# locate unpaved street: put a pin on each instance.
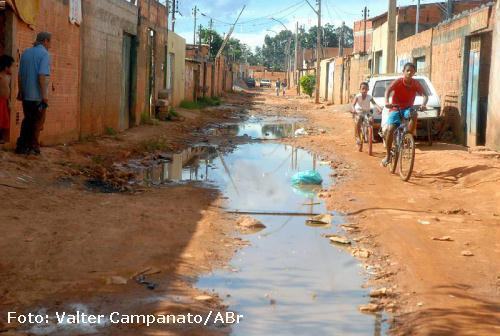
(77, 231)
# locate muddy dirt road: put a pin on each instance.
(453, 194)
(91, 226)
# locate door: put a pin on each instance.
(151, 71)
(327, 81)
(472, 98)
(124, 120)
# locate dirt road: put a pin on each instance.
(65, 243)
(453, 193)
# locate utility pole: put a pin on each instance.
(391, 37)
(341, 51)
(449, 9)
(418, 17)
(175, 6)
(195, 11)
(318, 47)
(365, 15)
(296, 68)
(210, 23)
(199, 36)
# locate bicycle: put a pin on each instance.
(366, 131)
(403, 148)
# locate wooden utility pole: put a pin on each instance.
(296, 67)
(175, 5)
(341, 51)
(318, 47)
(365, 15)
(210, 25)
(417, 20)
(391, 37)
(199, 36)
(195, 11)
(449, 9)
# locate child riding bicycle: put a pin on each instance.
(360, 108)
(403, 90)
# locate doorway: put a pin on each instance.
(128, 57)
(477, 87)
(151, 79)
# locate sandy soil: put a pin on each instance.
(435, 289)
(63, 244)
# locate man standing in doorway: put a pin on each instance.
(33, 80)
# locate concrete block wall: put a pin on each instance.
(103, 28)
(177, 46)
(63, 117)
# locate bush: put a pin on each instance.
(200, 103)
(147, 120)
(308, 84)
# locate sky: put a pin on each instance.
(256, 20)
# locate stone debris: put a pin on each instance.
(369, 308)
(379, 292)
(247, 222)
(338, 239)
(320, 219)
(361, 253)
(467, 253)
(444, 238)
(423, 222)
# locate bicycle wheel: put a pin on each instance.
(370, 140)
(406, 156)
(394, 160)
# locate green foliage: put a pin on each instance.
(153, 145)
(308, 83)
(110, 131)
(147, 120)
(201, 103)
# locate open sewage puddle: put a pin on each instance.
(290, 279)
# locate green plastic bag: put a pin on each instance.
(307, 177)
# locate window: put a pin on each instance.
(420, 64)
(382, 85)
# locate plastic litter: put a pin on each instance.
(300, 131)
(307, 177)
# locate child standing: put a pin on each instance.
(278, 87)
(361, 107)
(6, 63)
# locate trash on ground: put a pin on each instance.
(307, 177)
(320, 219)
(300, 131)
(116, 280)
(467, 253)
(141, 279)
(444, 238)
(203, 298)
(423, 222)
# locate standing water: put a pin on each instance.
(291, 279)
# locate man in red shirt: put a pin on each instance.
(404, 91)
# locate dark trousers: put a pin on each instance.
(31, 126)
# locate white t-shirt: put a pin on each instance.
(362, 105)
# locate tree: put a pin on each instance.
(212, 38)
(308, 84)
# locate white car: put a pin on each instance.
(265, 83)
(379, 84)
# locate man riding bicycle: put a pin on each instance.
(404, 91)
(360, 108)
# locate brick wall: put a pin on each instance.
(103, 29)
(413, 47)
(63, 116)
(358, 72)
